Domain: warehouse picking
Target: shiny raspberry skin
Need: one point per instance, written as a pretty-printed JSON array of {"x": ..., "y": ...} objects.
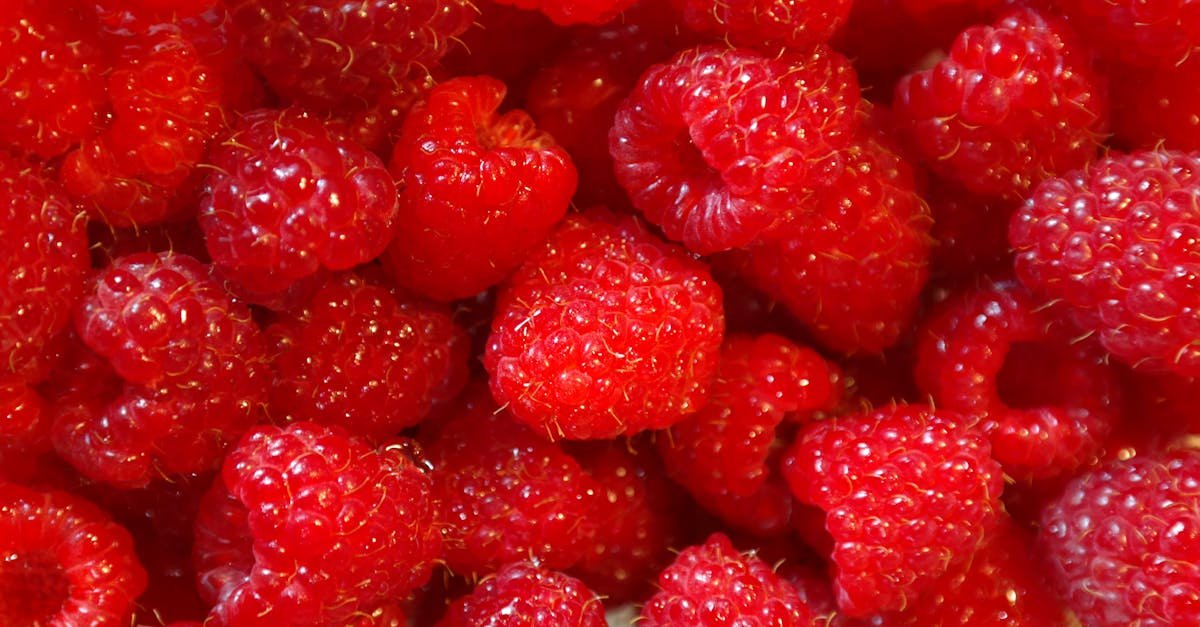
[
  {"x": 1116, "y": 243},
  {"x": 713, "y": 584},
  {"x": 469, "y": 213},
  {"x": 53, "y": 86},
  {"x": 504, "y": 493},
  {"x": 962, "y": 349},
  {"x": 41, "y": 271},
  {"x": 719, "y": 145},
  {"x": 289, "y": 195},
  {"x": 766, "y": 24},
  {"x": 1153, "y": 34},
  {"x": 365, "y": 357},
  {"x": 567, "y": 12},
  {"x": 323, "y": 53},
  {"x": 1120, "y": 541},
  {"x": 1013, "y": 104},
  {"x": 63, "y": 562},
  {"x": 525, "y": 595},
  {"x": 310, "y": 526},
  {"x": 193, "y": 362},
  {"x": 606, "y": 330},
  {"x": 907, "y": 492}
]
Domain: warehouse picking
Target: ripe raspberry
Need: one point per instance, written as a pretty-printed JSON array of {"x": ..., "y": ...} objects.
[
  {"x": 990, "y": 354},
  {"x": 768, "y": 512},
  {"x": 605, "y": 331},
  {"x": 309, "y": 526},
  {"x": 716, "y": 146},
  {"x": 712, "y": 584},
  {"x": 723, "y": 448},
  {"x": 504, "y": 493},
  {"x": 1160, "y": 34},
  {"x": 1014, "y": 104},
  {"x": 1120, "y": 541},
  {"x": 323, "y": 54},
  {"x": 53, "y": 87},
  {"x": 194, "y": 365},
  {"x": 1115, "y": 242},
  {"x": 366, "y": 358},
  {"x": 504, "y": 42},
  {"x": 1156, "y": 107},
  {"x": 469, "y": 209},
  {"x": 62, "y": 562},
  {"x": 288, "y": 195},
  {"x": 852, "y": 266},
  {"x": 766, "y": 24},
  {"x": 41, "y": 271},
  {"x": 567, "y": 12},
  {"x": 907, "y": 491},
  {"x": 523, "y": 594},
  {"x": 24, "y": 420}
]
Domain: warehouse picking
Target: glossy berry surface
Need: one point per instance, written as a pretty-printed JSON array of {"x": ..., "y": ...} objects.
[
  {"x": 766, "y": 24},
  {"x": 524, "y": 595}
]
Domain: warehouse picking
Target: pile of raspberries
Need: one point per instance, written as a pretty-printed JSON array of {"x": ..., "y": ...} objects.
[{"x": 574, "y": 313}]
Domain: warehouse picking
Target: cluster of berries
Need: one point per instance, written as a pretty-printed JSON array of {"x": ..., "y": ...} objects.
[{"x": 582, "y": 312}]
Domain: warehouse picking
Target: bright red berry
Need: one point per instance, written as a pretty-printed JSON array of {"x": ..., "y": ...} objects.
[
  {"x": 310, "y": 526},
  {"x": 605, "y": 330},
  {"x": 766, "y": 24},
  {"x": 24, "y": 421},
  {"x": 1159, "y": 34},
  {"x": 1115, "y": 244},
  {"x": 1120, "y": 541},
  {"x": 567, "y": 12},
  {"x": 1156, "y": 107},
  {"x": 523, "y": 594},
  {"x": 907, "y": 491}
]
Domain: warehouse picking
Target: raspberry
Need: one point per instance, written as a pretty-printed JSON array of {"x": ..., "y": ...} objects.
[
  {"x": 852, "y": 266},
  {"x": 53, "y": 87},
  {"x": 323, "y": 54},
  {"x": 1014, "y": 103},
  {"x": 288, "y": 195},
  {"x": 62, "y": 562},
  {"x": 606, "y": 330},
  {"x": 766, "y": 24},
  {"x": 1160, "y": 34},
  {"x": 193, "y": 362},
  {"x": 309, "y": 526},
  {"x": 504, "y": 493},
  {"x": 907, "y": 491},
  {"x": 1120, "y": 541},
  {"x": 504, "y": 42},
  {"x": 24, "y": 420},
  {"x": 712, "y": 584},
  {"x": 1114, "y": 243},
  {"x": 523, "y": 594},
  {"x": 1045, "y": 403},
  {"x": 1156, "y": 107},
  {"x": 567, "y": 12},
  {"x": 716, "y": 147},
  {"x": 468, "y": 213},
  {"x": 41, "y": 271}
]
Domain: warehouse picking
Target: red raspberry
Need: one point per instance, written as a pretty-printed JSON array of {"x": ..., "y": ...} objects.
[
  {"x": 1159, "y": 34},
  {"x": 1046, "y": 404},
  {"x": 289, "y": 195},
  {"x": 766, "y": 24},
  {"x": 41, "y": 270},
  {"x": 851, "y": 267},
  {"x": 62, "y": 562},
  {"x": 567, "y": 12},
  {"x": 469, "y": 209},
  {"x": 907, "y": 491},
  {"x": 321, "y": 53},
  {"x": 1120, "y": 541},
  {"x": 605, "y": 331},
  {"x": 24, "y": 421},
  {"x": 712, "y": 584},
  {"x": 1013, "y": 104},
  {"x": 1156, "y": 107},
  {"x": 366, "y": 358},
  {"x": 505, "y": 42},
  {"x": 718, "y": 146},
  {"x": 377, "y": 127},
  {"x": 1114, "y": 242},
  {"x": 768, "y": 512},
  {"x": 309, "y": 526},
  {"x": 523, "y": 594},
  {"x": 504, "y": 493},
  {"x": 194, "y": 365},
  {"x": 53, "y": 87}
]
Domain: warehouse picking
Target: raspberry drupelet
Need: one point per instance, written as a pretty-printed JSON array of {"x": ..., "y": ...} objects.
[
  {"x": 766, "y": 24},
  {"x": 1014, "y": 103},
  {"x": 606, "y": 330},
  {"x": 1115, "y": 245},
  {"x": 63, "y": 562},
  {"x": 309, "y": 526},
  {"x": 478, "y": 190},
  {"x": 1159, "y": 34},
  {"x": 523, "y": 594},
  {"x": 289, "y": 195},
  {"x": 719, "y": 145}
]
